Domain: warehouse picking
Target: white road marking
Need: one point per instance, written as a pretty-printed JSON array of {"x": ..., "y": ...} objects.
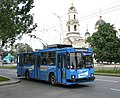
[
  {"x": 118, "y": 90},
  {"x": 106, "y": 80},
  {"x": 10, "y": 73}
]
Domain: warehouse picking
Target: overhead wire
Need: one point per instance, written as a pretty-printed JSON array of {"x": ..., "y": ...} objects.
[{"x": 94, "y": 14}]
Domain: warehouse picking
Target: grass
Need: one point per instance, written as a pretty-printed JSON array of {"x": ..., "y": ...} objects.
[
  {"x": 108, "y": 71},
  {"x": 8, "y": 67},
  {"x": 3, "y": 79}
]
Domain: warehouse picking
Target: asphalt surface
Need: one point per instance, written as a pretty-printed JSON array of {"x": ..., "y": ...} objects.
[
  {"x": 11, "y": 74},
  {"x": 103, "y": 87}
]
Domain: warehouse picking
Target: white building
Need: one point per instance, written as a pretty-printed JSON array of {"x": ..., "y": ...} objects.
[{"x": 73, "y": 36}]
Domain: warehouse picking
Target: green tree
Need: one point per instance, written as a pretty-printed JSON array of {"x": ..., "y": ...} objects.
[
  {"x": 15, "y": 19},
  {"x": 105, "y": 44},
  {"x": 20, "y": 48}
]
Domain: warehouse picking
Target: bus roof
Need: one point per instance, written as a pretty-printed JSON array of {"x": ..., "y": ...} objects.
[
  {"x": 61, "y": 47},
  {"x": 58, "y": 46}
]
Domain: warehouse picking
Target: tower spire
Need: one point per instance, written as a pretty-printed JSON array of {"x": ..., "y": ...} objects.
[
  {"x": 100, "y": 14},
  {"x": 87, "y": 28},
  {"x": 71, "y": 2}
]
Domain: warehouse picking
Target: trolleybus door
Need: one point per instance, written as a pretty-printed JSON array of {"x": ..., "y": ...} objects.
[
  {"x": 20, "y": 65},
  {"x": 61, "y": 70},
  {"x": 37, "y": 66}
]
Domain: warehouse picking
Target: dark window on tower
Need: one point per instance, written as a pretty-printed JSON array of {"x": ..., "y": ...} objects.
[
  {"x": 68, "y": 28},
  {"x": 75, "y": 28},
  {"x": 74, "y": 17}
]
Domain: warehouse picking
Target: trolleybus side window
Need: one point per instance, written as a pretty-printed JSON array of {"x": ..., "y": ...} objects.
[
  {"x": 38, "y": 60},
  {"x": 64, "y": 60},
  {"x": 26, "y": 59},
  {"x": 21, "y": 62},
  {"x": 72, "y": 60},
  {"x": 31, "y": 59},
  {"x": 59, "y": 61},
  {"x": 52, "y": 58},
  {"x": 44, "y": 57},
  {"x": 68, "y": 61}
]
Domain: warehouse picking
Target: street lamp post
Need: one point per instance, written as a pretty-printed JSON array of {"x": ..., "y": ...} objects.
[
  {"x": 119, "y": 32},
  {"x": 60, "y": 23},
  {"x": 60, "y": 35},
  {"x": 1, "y": 52}
]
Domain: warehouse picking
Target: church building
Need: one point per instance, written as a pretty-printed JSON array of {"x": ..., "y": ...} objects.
[{"x": 73, "y": 36}]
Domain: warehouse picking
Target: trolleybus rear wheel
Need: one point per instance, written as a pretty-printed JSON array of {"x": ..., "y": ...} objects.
[
  {"x": 27, "y": 76},
  {"x": 52, "y": 79}
]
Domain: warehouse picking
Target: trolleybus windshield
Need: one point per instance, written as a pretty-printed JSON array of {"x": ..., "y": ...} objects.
[{"x": 79, "y": 60}]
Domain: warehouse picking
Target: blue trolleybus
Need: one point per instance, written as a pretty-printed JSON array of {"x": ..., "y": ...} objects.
[{"x": 58, "y": 64}]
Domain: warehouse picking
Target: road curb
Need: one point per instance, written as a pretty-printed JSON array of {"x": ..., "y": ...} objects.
[
  {"x": 11, "y": 81},
  {"x": 108, "y": 75}
]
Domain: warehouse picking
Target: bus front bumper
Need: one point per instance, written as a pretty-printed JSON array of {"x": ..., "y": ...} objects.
[{"x": 81, "y": 80}]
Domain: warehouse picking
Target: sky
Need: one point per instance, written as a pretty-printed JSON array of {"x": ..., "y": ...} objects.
[{"x": 49, "y": 28}]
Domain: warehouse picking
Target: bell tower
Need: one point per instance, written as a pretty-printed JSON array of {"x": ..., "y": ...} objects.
[{"x": 72, "y": 24}]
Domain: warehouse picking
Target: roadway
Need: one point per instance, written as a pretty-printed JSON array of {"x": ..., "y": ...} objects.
[{"x": 103, "y": 87}]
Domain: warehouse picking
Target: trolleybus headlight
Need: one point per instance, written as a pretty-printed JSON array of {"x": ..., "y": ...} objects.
[
  {"x": 68, "y": 66},
  {"x": 92, "y": 75},
  {"x": 72, "y": 76}
]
